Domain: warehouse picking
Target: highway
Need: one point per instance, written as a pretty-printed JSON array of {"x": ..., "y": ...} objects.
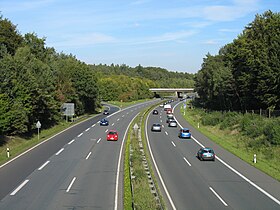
[
  {"x": 76, "y": 169},
  {"x": 188, "y": 183}
]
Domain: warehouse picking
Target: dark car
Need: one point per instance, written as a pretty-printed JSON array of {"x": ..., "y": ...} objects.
[
  {"x": 170, "y": 117},
  {"x": 155, "y": 112},
  {"x": 106, "y": 112},
  {"x": 104, "y": 122},
  {"x": 185, "y": 133},
  {"x": 206, "y": 153}
]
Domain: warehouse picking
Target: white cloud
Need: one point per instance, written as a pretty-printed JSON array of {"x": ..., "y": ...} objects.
[
  {"x": 238, "y": 9},
  {"x": 82, "y": 40}
]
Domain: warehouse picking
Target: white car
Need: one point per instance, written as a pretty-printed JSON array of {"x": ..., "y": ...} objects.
[
  {"x": 156, "y": 127},
  {"x": 172, "y": 123}
]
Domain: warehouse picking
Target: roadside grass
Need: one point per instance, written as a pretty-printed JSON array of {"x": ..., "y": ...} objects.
[
  {"x": 267, "y": 157},
  {"x": 18, "y": 145}
]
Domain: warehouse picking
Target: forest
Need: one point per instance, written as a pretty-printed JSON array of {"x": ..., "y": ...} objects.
[
  {"x": 245, "y": 75},
  {"x": 35, "y": 81}
]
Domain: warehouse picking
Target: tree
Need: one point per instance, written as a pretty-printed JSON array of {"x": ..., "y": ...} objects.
[{"x": 10, "y": 39}]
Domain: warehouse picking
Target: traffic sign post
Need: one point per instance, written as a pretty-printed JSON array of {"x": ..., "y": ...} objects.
[{"x": 38, "y": 126}]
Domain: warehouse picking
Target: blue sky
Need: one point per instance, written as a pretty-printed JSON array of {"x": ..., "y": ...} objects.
[{"x": 172, "y": 34}]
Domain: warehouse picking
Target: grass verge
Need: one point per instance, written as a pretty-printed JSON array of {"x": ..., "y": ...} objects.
[
  {"x": 234, "y": 142},
  {"x": 18, "y": 145}
]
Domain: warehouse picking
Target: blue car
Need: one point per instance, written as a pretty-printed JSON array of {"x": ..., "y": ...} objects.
[
  {"x": 206, "y": 154},
  {"x": 185, "y": 133},
  {"x": 104, "y": 122}
]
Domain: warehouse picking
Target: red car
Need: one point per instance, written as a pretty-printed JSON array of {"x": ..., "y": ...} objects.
[
  {"x": 168, "y": 111},
  {"x": 112, "y": 135}
]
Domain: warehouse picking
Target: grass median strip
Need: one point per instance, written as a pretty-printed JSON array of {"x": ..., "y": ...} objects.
[{"x": 141, "y": 190}]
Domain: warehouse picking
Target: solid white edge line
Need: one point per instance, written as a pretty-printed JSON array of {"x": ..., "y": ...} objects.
[
  {"x": 70, "y": 142},
  {"x": 235, "y": 171},
  {"x": 217, "y": 195},
  {"x": 185, "y": 159},
  {"x": 98, "y": 140},
  {"x": 70, "y": 185},
  {"x": 19, "y": 187},
  {"x": 59, "y": 151},
  {"x": 88, "y": 155},
  {"x": 46, "y": 163},
  {"x": 156, "y": 167},
  {"x": 249, "y": 181},
  {"x": 173, "y": 143},
  {"x": 119, "y": 165}
]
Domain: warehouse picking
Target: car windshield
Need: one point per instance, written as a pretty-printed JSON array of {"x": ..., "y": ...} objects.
[
  {"x": 208, "y": 151},
  {"x": 185, "y": 131},
  {"x": 112, "y": 133}
]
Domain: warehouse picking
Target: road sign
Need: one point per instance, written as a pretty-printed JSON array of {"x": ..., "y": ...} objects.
[{"x": 38, "y": 124}]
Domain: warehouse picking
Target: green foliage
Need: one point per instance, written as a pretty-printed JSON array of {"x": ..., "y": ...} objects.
[
  {"x": 35, "y": 81},
  {"x": 259, "y": 130},
  {"x": 230, "y": 120},
  {"x": 10, "y": 39},
  {"x": 212, "y": 119},
  {"x": 272, "y": 131},
  {"x": 246, "y": 73},
  {"x": 252, "y": 125}
]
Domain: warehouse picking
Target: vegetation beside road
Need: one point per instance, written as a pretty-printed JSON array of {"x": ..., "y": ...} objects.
[
  {"x": 139, "y": 193},
  {"x": 18, "y": 144},
  {"x": 245, "y": 73},
  {"x": 242, "y": 135}
]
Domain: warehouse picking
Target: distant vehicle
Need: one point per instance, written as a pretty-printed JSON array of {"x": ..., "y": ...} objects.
[
  {"x": 112, "y": 135},
  {"x": 184, "y": 133},
  {"x": 168, "y": 111},
  {"x": 172, "y": 123},
  {"x": 161, "y": 105},
  {"x": 167, "y": 106},
  {"x": 156, "y": 127},
  {"x": 206, "y": 153},
  {"x": 169, "y": 117},
  {"x": 106, "y": 112},
  {"x": 104, "y": 122},
  {"x": 155, "y": 112}
]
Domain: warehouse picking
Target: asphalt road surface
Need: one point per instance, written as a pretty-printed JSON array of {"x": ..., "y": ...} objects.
[
  {"x": 188, "y": 183},
  {"x": 77, "y": 169}
]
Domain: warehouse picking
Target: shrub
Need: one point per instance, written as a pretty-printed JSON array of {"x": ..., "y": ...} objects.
[
  {"x": 252, "y": 125},
  {"x": 213, "y": 118},
  {"x": 231, "y": 119},
  {"x": 272, "y": 131}
]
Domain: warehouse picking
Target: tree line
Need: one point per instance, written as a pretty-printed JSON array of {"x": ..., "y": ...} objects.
[
  {"x": 121, "y": 82},
  {"x": 245, "y": 75},
  {"x": 35, "y": 81}
]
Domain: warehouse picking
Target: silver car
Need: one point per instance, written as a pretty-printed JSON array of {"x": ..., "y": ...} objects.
[
  {"x": 156, "y": 127},
  {"x": 172, "y": 123}
]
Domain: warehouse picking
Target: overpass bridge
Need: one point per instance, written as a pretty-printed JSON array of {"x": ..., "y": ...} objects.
[{"x": 179, "y": 92}]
